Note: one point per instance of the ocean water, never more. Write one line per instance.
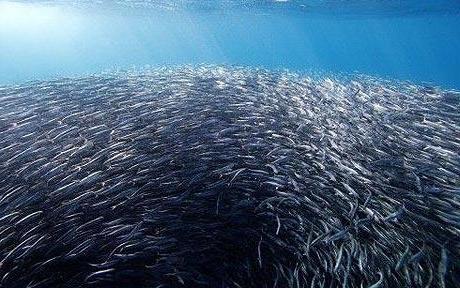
(410, 40)
(154, 152)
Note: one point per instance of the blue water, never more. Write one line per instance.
(403, 40)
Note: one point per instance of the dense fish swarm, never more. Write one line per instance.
(228, 177)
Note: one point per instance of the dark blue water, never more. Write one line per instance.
(403, 40)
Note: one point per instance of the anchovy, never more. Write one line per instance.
(395, 215)
(404, 259)
(443, 267)
(379, 283)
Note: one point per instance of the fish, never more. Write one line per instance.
(443, 267)
(379, 283)
(404, 259)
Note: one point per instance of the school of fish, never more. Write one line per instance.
(214, 176)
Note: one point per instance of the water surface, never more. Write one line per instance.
(406, 40)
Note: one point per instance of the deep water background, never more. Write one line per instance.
(420, 44)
